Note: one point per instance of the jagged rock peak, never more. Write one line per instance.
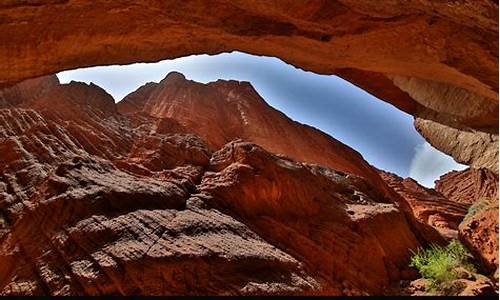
(176, 76)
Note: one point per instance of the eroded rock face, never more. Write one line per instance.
(310, 210)
(468, 186)
(463, 206)
(479, 232)
(27, 90)
(95, 202)
(435, 60)
(222, 111)
(471, 147)
(429, 206)
(96, 230)
(479, 229)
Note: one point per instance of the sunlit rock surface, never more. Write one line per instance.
(222, 111)
(153, 197)
(468, 186)
(95, 202)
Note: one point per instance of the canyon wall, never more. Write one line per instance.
(463, 205)
(437, 60)
(479, 228)
(222, 111)
(149, 197)
(96, 199)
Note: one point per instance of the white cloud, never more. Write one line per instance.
(428, 164)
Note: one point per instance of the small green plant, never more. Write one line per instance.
(438, 264)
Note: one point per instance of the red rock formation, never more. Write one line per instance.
(72, 223)
(475, 148)
(93, 202)
(222, 111)
(468, 186)
(429, 206)
(95, 230)
(479, 229)
(26, 90)
(464, 205)
(434, 59)
(316, 213)
(479, 232)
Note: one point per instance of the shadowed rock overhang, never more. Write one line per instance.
(435, 60)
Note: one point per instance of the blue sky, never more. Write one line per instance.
(384, 135)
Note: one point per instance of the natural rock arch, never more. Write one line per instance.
(435, 60)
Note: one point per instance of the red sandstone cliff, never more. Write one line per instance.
(222, 111)
(464, 205)
(468, 186)
(141, 198)
(479, 229)
(96, 202)
(107, 194)
(429, 206)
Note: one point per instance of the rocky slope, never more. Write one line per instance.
(222, 111)
(244, 114)
(148, 197)
(428, 205)
(437, 60)
(463, 206)
(95, 202)
(479, 232)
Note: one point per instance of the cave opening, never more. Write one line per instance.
(381, 133)
(137, 184)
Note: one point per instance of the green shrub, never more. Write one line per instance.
(438, 264)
